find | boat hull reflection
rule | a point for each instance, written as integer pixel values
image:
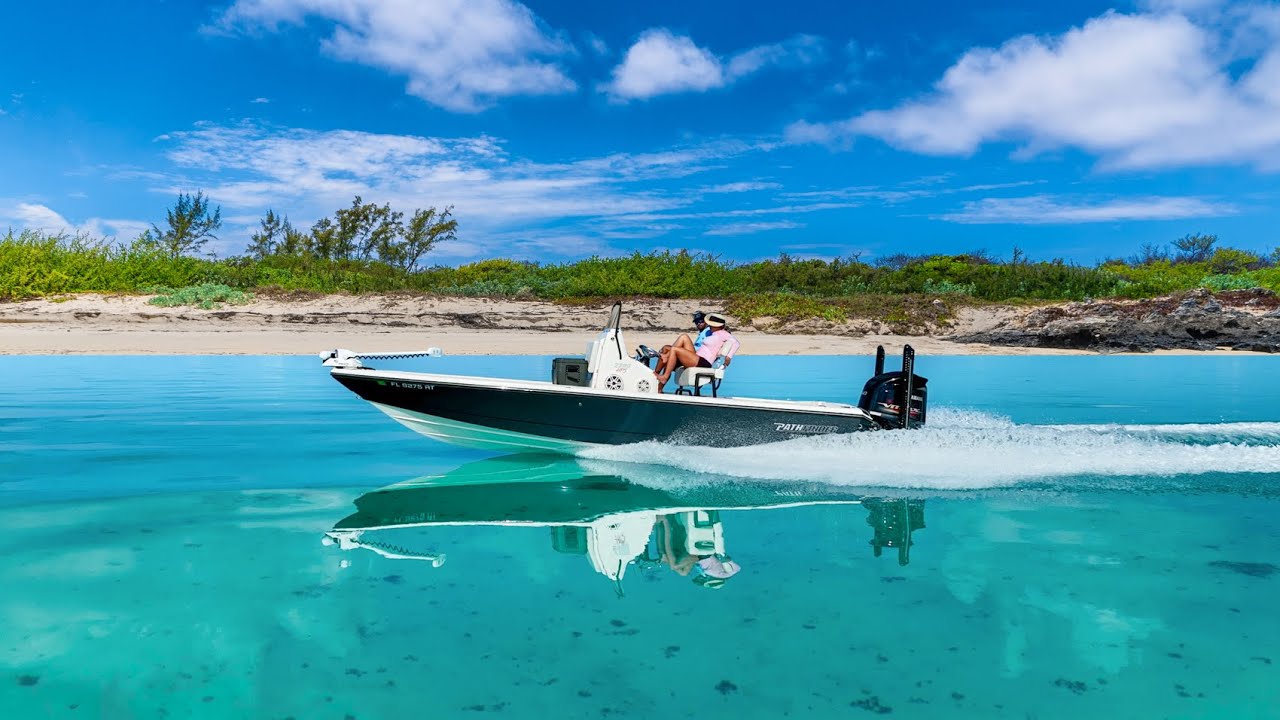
(617, 514)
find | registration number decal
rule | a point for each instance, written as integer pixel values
(410, 385)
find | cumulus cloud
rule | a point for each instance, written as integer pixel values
(35, 216)
(1156, 89)
(1047, 210)
(462, 55)
(662, 63)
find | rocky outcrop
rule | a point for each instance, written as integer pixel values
(1197, 320)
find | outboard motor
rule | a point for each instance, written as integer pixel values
(885, 394)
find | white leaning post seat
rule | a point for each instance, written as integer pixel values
(691, 380)
(703, 532)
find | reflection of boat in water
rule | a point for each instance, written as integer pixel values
(611, 398)
(616, 514)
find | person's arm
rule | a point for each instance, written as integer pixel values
(733, 347)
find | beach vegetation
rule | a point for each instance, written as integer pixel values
(209, 296)
(1195, 248)
(371, 248)
(189, 224)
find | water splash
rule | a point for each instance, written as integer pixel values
(966, 450)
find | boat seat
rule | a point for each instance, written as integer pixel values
(703, 533)
(691, 380)
(694, 532)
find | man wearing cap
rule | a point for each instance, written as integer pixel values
(700, 322)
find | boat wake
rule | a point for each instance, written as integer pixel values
(966, 450)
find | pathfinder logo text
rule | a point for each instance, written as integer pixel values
(794, 428)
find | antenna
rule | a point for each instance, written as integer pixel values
(879, 361)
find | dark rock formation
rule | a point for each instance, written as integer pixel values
(1197, 320)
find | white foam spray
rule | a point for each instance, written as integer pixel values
(966, 450)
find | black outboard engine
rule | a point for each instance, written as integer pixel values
(885, 394)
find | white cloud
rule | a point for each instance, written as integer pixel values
(796, 51)
(462, 55)
(752, 228)
(498, 199)
(260, 101)
(741, 187)
(739, 213)
(662, 63)
(1144, 90)
(1047, 210)
(34, 216)
(920, 188)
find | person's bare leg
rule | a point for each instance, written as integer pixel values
(662, 360)
(683, 342)
(676, 358)
(666, 366)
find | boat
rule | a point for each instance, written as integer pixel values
(609, 397)
(607, 511)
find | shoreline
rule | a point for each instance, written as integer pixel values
(91, 324)
(53, 340)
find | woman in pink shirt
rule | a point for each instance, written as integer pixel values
(705, 356)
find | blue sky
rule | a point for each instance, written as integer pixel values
(562, 129)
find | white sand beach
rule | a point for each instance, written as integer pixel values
(128, 325)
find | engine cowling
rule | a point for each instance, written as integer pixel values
(884, 395)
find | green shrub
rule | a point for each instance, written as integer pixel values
(1228, 261)
(209, 296)
(946, 287)
(1228, 282)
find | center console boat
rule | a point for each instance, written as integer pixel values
(608, 397)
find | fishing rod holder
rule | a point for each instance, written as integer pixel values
(344, 358)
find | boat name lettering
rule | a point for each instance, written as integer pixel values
(798, 428)
(410, 385)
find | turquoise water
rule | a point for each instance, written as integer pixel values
(1088, 536)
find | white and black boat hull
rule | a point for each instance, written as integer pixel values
(517, 415)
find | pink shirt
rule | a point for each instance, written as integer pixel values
(710, 349)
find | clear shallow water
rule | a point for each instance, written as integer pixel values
(1100, 535)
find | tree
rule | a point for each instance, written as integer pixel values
(267, 240)
(323, 239)
(191, 225)
(426, 229)
(364, 228)
(1150, 254)
(294, 242)
(1195, 248)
